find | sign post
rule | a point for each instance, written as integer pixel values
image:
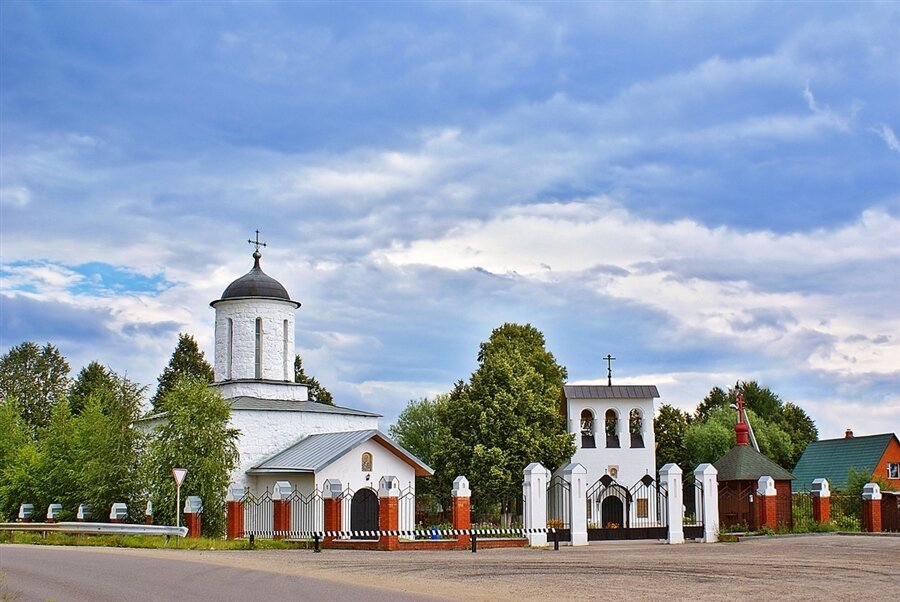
(179, 474)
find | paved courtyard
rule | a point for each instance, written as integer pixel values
(832, 567)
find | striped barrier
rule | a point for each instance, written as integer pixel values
(317, 536)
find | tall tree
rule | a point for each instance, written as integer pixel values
(669, 429)
(37, 378)
(708, 441)
(420, 431)
(187, 361)
(800, 428)
(317, 392)
(505, 417)
(106, 452)
(194, 435)
(92, 377)
(766, 406)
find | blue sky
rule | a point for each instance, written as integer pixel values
(708, 191)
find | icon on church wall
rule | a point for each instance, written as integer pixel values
(367, 462)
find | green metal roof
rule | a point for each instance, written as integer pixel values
(832, 459)
(743, 463)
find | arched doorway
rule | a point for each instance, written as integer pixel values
(612, 513)
(364, 512)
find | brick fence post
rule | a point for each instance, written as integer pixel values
(148, 513)
(84, 513)
(462, 509)
(234, 512)
(534, 489)
(389, 512)
(193, 511)
(332, 504)
(707, 508)
(821, 500)
(281, 509)
(766, 503)
(670, 476)
(871, 508)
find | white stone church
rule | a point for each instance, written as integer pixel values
(283, 435)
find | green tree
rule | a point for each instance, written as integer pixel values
(92, 377)
(504, 418)
(37, 378)
(800, 428)
(187, 361)
(669, 429)
(710, 440)
(57, 473)
(17, 451)
(317, 392)
(717, 398)
(106, 452)
(420, 431)
(195, 434)
(768, 407)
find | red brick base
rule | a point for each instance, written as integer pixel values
(871, 516)
(821, 509)
(234, 519)
(389, 520)
(192, 522)
(767, 511)
(282, 516)
(462, 518)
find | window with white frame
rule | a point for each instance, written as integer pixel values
(893, 470)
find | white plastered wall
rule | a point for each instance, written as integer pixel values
(235, 354)
(265, 432)
(632, 463)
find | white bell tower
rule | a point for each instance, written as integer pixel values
(255, 337)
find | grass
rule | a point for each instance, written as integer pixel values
(149, 541)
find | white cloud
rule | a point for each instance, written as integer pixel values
(656, 259)
(15, 196)
(887, 134)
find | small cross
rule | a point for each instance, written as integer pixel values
(256, 242)
(609, 360)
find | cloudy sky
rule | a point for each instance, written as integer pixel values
(708, 191)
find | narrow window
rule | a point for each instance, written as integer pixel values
(643, 508)
(587, 429)
(893, 470)
(367, 462)
(229, 353)
(636, 428)
(612, 428)
(259, 351)
(284, 352)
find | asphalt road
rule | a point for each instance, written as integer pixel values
(41, 573)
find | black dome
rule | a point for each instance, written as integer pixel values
(256, 283)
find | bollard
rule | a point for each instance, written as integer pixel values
(474, 542)
(251, 540)
(555, 540)
(316, 549)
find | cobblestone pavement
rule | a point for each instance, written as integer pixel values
(833, 567)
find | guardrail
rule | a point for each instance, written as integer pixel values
(97, 528)
(474, 534)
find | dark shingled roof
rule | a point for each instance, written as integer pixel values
(256, 284)
(743, 463)
(284, 405)
(832, 459)
(613, 392)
